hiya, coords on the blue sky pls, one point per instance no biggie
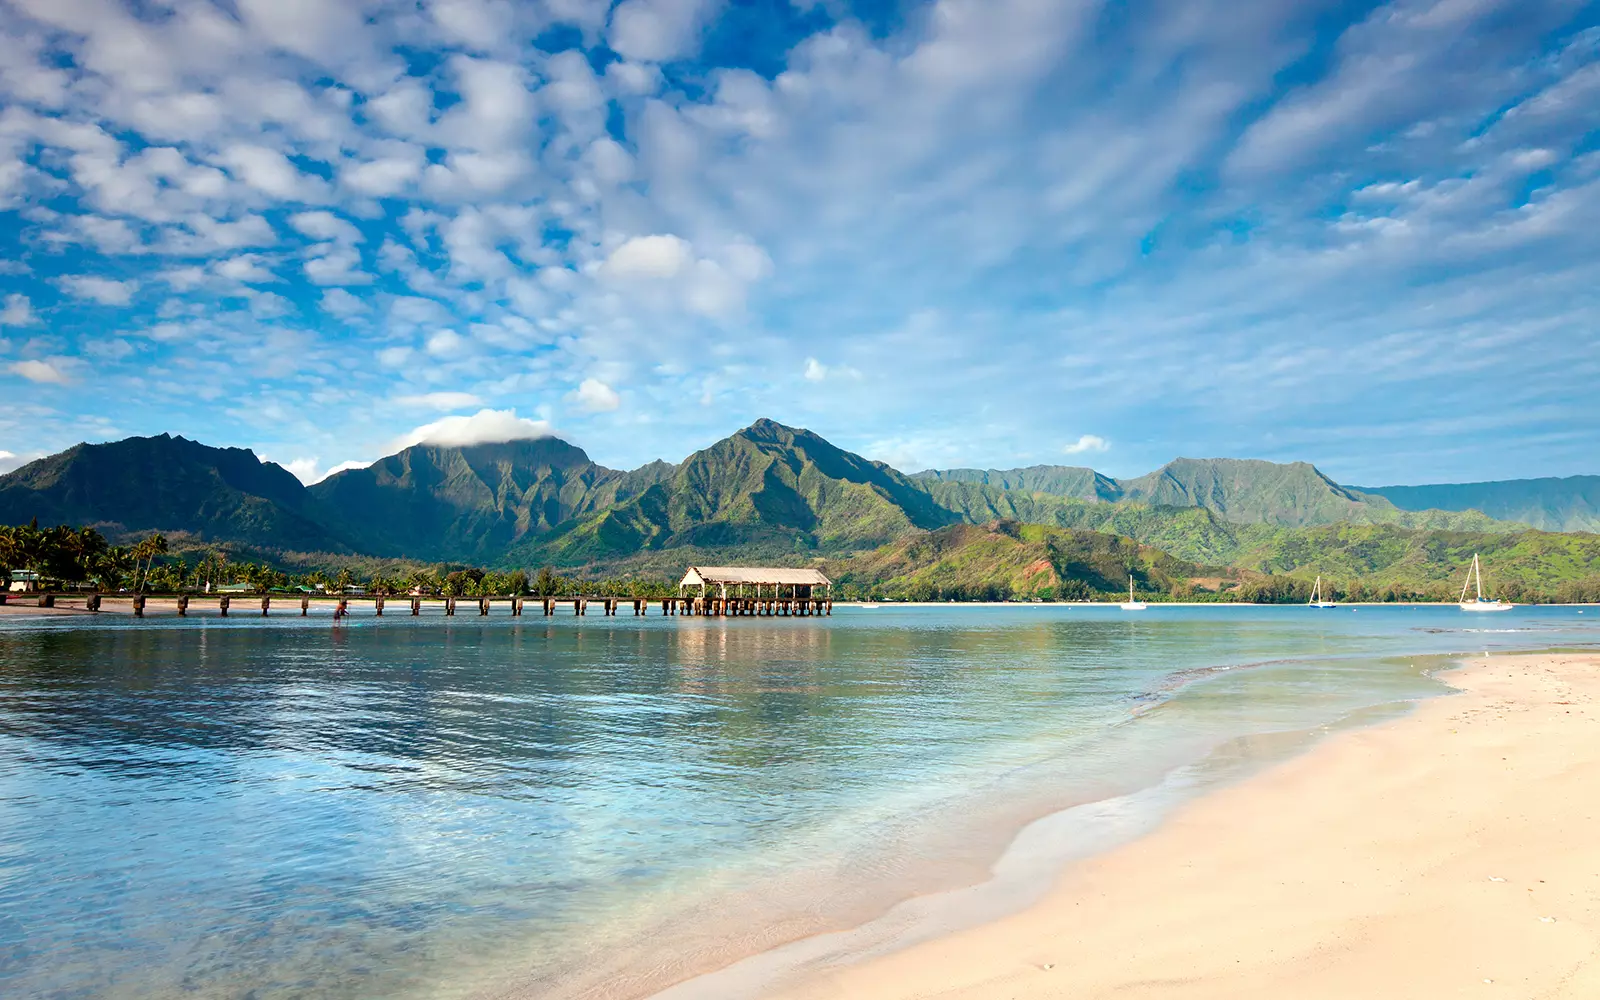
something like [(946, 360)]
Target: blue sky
[(972, 232)]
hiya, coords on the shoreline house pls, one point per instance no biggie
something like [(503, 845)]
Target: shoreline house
[(756, 581), (25, 581)]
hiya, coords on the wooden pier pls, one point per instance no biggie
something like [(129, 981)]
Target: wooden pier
[(262, 605)]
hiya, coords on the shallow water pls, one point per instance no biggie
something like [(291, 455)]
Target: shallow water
[(454, 807)]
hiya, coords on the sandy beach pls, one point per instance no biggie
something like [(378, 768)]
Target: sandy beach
[(1452, 853)]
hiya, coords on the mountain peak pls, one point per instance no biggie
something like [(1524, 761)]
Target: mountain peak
[(766, 429), (168, 484)]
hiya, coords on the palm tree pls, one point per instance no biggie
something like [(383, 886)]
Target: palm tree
[(147, 549)]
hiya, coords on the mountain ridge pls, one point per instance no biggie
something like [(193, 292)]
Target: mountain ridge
[(767, 491), (1245, 491), (169, 484), (1551, 503)]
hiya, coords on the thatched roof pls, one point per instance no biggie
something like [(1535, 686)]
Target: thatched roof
[(713, 576)]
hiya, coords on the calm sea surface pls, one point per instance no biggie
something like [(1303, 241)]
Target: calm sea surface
[(549, 807)]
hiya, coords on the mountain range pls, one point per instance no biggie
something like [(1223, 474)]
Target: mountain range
[(768, 491)]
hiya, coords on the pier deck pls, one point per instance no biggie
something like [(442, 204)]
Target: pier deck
[(224, 605)]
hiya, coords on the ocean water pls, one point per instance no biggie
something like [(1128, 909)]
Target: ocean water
[(600, 807)]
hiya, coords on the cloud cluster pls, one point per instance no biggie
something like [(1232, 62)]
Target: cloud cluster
[(484, 427), (1087, 443), (938, 230)]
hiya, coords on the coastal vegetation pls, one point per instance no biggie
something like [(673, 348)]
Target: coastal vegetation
[(1000, 561)]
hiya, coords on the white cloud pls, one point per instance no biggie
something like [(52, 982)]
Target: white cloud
[(395, 357), (18, 311), (271, 173), (10, 461), (662, 256), (384, 177), (310, 470), (664, 272), (338, 302), (38, 371), (325, 226), (445, 343), (482, 24), (343, 467), (483, 427), (816, 371), (335, 264), (496, 110), (247, 268), (596, 397), (658, 30), (106, 291), (1087, 443), (440, 400), (304, 469)]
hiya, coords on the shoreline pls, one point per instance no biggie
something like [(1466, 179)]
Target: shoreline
[(1436, 854)]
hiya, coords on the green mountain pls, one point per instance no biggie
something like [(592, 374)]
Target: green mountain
[(171, 485), (1244, 491), (1054, 480), (777, 494), (1570, 504), (1006, 559), (473, 503), (767, 489), (1519, 565)]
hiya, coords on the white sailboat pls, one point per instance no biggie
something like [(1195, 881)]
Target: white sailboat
[(1130, 604), (1316, 597), (1475, 575)]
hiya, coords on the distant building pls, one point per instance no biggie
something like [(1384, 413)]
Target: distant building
[(235, 588), (25, 581), (755, 581)]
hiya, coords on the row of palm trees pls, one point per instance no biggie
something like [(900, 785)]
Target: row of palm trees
[(81, 557), (78, 555)]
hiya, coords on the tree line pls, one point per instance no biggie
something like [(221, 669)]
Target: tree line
[(81, 558)]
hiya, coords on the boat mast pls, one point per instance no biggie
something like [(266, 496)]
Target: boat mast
[(1465, 584), (1477, 571)]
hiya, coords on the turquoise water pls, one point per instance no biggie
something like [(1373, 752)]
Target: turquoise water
[(462, 807)]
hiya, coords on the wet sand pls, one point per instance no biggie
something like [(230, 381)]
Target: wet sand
[(1452, 853)]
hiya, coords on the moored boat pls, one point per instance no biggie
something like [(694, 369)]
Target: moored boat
[(1481, 603)]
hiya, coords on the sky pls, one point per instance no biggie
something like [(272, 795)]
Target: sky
[(964, 233)]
